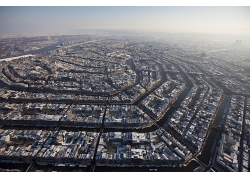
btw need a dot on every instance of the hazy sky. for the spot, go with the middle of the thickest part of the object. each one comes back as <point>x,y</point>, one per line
<point>176,19</point>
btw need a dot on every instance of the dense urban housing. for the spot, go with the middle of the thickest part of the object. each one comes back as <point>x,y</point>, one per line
<point>97,102</point>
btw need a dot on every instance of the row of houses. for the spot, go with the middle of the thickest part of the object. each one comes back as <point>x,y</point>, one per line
<point>47,147</point>
<point>229,152</point>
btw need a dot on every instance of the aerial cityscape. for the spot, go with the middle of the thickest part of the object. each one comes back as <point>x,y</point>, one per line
<point>123,100</point>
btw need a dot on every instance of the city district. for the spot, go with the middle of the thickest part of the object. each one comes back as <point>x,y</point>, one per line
<point>123,103</point>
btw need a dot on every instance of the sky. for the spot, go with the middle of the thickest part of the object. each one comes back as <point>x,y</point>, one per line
<point>169,19</point>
